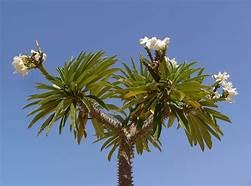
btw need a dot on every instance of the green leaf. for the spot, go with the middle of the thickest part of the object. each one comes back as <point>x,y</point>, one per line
<point>170,120</point>
<point>82,120</point>
<point>134,93</point>
<point>189,137</point>
<point>99,101</point>
<point>155,143</point>
<point>182,120</point>
<point>195,124</point>
<point>139,146</point>
<point>31,104</point>
<point>218,115</point>
<point>45,124</point>
<point>46,106</point>
<point>108,142</point>
<point>112,151</point>
<point>158,131</point>
<point>57,111</point>
<point>115,108</point>
<point>157,120</point>
<point>40,115</point>
<point>99,129</point>
<point>63,120</point>
<point>206,136</point>
<point>145,145</point>
<point>86,104</point>
<point>73,116</point>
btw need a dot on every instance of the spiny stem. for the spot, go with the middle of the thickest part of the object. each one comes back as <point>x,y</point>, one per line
<point>106,120</point>
<point>125,156</point>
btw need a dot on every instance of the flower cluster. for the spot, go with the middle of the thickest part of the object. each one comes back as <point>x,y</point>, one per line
<point>221,77</point>
<point>160,47</point>
<point>19,63</point>
<point>154,43</point>
<point>23,63</point>
<point>228,90</point>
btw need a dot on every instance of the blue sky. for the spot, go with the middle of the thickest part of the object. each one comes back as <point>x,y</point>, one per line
<point>215,33</point>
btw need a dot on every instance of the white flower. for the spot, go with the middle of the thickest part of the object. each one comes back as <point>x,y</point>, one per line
<point>231,93</point>
<point>33,51</point>
<point>172,61</point>
<point>154,43</point>
<point>151,42</point>
<point>221,77</point>
<point>144,40</point>
<point>37,55</point>
<point>227,85</point>
<point>44,56</point>
<point>18,63</point>
<point>161,44</point>
<point>217,95</point>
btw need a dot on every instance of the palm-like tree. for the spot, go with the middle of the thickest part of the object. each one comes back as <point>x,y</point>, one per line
<point>158,94</point>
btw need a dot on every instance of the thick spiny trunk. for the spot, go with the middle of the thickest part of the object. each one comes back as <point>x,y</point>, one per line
<point>125,156</point>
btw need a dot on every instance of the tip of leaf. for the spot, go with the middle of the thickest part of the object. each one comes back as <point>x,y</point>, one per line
<point>38,134</point>
<point>29,126</point>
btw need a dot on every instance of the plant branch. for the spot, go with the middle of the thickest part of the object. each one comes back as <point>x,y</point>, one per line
<point>146,129</point>
<point>107,121</point>
<point>149,54</point>
<point>152,71</point>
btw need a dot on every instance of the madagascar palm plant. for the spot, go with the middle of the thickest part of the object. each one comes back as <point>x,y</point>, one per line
<point>159,94</point>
